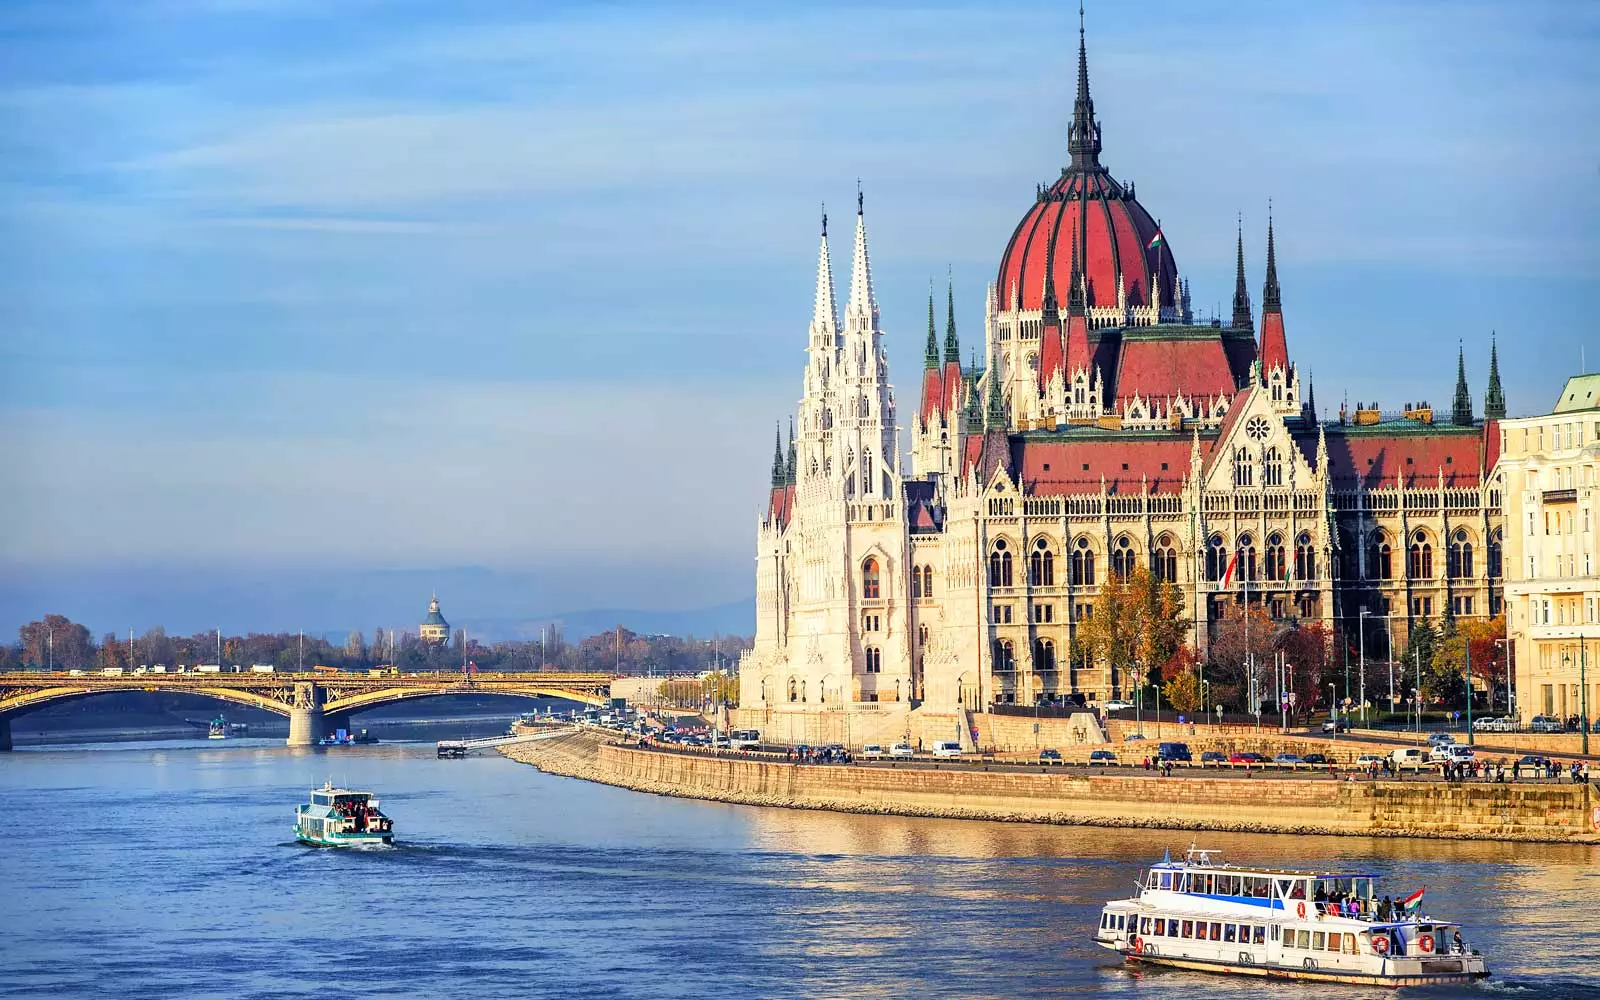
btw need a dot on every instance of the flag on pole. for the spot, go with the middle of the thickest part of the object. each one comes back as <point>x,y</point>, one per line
<point>1155,240</point>
<point>1233,564</point>
<point>1413,902</point>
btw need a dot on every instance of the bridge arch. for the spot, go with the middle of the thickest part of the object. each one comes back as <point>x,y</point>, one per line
<point>27,701</point>
<point>372,699</point>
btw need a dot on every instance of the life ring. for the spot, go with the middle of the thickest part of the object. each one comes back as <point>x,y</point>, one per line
<point>1425,943</point>
<point>1300,910</point>
<point>1595,818</point>
<point>1380,945</point>
<point>1138,944</point>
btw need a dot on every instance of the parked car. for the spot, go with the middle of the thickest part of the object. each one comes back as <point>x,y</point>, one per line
<point>1049,756</point>
<point>1485,724</point>
<point>1132,736</point>
<point>1545,724</point>
<point>1288,758</point>
<point>1336,726</point>
<point>1102,757</point>
<point>947,748</point>
<point>1369,759</point>
<point>902,750</point>
<point>1435,739</point>
<point>1409,757</point>
<point>872,751</point>
<point>1246,758</point>
<point>1319,759</point>
<point>1117,705</point>
<point>1460,754</point>
<point>1174,752</point>
<point>1441,752</point>
<point>1213,757</point>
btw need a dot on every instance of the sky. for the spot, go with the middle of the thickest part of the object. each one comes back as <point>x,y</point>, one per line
<point>504,299</point>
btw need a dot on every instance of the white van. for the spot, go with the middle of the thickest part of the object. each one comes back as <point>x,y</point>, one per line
<point>947,748</point>
<point>1409,757</point>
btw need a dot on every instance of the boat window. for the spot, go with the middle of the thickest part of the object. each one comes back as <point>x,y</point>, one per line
<point>1334,942</point>
<point>1263,887</point>
<point>1188,928</point>
<point>1283,888</point>
<point>1144,925</point>
<point>1316,941</point>
<point>1216,931</point>
<point>1297,890</point>
<point>1364,888</point>
<point>1288,938</point>
<point>1119,922</point>
<point>1258,935</point>
<point>1304,940</point>
<point>1230,932</point>
<point>1161,926</point>
<point>1172,927</point>
<point>1349,944</point>
<point>1166,880</point>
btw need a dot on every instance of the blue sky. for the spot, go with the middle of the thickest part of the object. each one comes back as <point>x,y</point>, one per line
<point>373,287</point>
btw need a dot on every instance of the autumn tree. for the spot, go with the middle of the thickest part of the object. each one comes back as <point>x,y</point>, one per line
<point>1137,624</point>
<point>1477,637</point>
<point>57,640</point>
<point>1183,691</point>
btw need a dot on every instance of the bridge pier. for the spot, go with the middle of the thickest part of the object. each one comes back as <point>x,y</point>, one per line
<point>5,732</point>
<point>306,720</point>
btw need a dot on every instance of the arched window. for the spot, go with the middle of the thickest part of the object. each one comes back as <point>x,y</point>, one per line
<point>1122,559</point>
<point>869,579</point>
<point>1460,556</point>
<point>1244,468</point>
<point>927,581</point>
<point>1276,564</point>
<point>1247,558</point>
<point>1042,565</point>
<point>1216,559</point>
<point>1005,656</point>
<point>763,690</point>
<point>922,635</point>
<point>1082,564</point>
<point>866,470</point>
<point>1272,468</point>
<point>1044,654</point>
<point>1164,562</point>
<point>1305,558</point>
<point>1000,565</point>
<point>1494,554</point>
<point>1380,565</point>
<point>794,691</point>
<point>850,485</point>
<point>874,660</point>
<point>1419,558</point>
<point>916,583</point>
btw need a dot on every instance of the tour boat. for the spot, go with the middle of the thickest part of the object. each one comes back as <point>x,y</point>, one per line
<point>1203,915</point>
<point>340,817</point>
<point>218,730</point>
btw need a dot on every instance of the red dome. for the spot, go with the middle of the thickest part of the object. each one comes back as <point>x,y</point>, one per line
<point>1113,231</point>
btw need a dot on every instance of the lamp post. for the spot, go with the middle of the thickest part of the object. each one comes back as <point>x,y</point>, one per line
<point>1361,626</point>
<point>1468,647</point>
<point>1583,692</point>
<point>1505,654</point>
<point>50,642</point>
<point>1333,706</point>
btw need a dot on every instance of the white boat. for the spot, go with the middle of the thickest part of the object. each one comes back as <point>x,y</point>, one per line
<point>1203,915</point>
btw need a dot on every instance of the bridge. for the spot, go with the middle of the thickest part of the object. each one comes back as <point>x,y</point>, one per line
<point>315,703</point>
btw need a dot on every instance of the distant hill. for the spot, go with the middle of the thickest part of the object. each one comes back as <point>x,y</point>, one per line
<point>736,618</point>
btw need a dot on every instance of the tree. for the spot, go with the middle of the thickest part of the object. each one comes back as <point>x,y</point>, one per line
<point>1307,647</point>
<point>1478,636</point>
<point>355,648</point>
<point>57,640</point>
<point>1137,624</point>
<point>112,654</point>
<point>1183,691</point>
<point>1241,653</point>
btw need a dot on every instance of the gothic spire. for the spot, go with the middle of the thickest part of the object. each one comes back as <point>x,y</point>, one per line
<point>1075,303</point>
<point>861,314</point>
<point>1494,401</point>
<point>952,348</point>
<point>1083,135</point>
<point>791,474</point>
<point>1311,398</point>
<point>1051,315</point>
<point>1241,295</point>
<point>1271,297</point>
<point>931,360</point>
<point>779,473</point>
<point>1461,408</point>
<point>825,313</point>
<point>994,417</point>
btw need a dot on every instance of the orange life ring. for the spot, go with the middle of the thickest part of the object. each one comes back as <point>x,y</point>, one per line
<point>1138,944</point>
<point>1300,910</point>
<point>1425,943</point>
<point>1380,945</point>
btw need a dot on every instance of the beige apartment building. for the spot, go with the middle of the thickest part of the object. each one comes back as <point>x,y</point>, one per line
<point>1551,465</point>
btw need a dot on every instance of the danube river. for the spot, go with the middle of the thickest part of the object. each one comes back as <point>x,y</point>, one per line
<point>167,870</point>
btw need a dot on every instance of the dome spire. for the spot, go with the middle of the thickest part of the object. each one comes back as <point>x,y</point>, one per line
<point>1494,400</point>
<point>1083,135</point>
<point>1241,294</point>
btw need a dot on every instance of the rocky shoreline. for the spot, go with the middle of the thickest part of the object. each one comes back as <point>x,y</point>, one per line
<point>578,755</point>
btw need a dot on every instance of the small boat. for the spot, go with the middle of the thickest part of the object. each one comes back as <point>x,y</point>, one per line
<point>218,729</point>
<point>1203,915</point>
<point>345,738</point>
<point>342,817</point>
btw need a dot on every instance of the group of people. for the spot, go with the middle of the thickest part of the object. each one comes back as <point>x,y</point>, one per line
<point>818,755</point>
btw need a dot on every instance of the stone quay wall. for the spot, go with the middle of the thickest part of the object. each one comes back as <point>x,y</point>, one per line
<point>1523,812</point>
<point>892,722</point>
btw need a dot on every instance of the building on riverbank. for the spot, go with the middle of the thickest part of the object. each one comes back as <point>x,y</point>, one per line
<point>1108,427</point>
<point>1551,464</point>
<point>434,630</point>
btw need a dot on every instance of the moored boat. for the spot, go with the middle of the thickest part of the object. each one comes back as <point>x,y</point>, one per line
<point>1203,915</point>
<point>342,817</point>
<point>218,729</point>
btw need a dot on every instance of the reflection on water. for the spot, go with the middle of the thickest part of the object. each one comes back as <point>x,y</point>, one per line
<point>168,869</point>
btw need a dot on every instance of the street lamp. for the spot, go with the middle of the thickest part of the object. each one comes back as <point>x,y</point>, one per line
<point>1361,626</point>
<point>1333,706</point>
<point>1505,654</point>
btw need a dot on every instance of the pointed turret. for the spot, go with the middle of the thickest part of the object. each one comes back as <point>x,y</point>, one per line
<point>1274,346</point>
<point>931,356</point>
<point>933,393</point>
<point>861,314</point>
<point>1077,338</point>
<point>1461,408</point>
<point>1083,135</point>
<point>792,471</point>
<point>780,472</point>
<point>1241,295</point>
<point>994,415</point>
<point>1311,399</point>
<point>1051,349</point>
<point>825,313</point>
<point>1494,400</point>
<point>952,349</point>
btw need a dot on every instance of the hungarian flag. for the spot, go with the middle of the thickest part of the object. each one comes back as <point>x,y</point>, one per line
<point>1414,901</point>
<point>1233,564</point>
<point>1155,240</point>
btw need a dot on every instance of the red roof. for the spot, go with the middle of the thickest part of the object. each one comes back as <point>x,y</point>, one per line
<point>1274,347</point>
<point>1164,368</point>
<point>1050,467</point>
<point>1405,455</point>
<point>1114,232</point>
<point>780,505</point>
<point>1052,356</point>
<point>932,396</point>
<point>952,386</point>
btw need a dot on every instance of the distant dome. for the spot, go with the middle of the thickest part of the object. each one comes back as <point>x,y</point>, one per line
<point>434,628</point>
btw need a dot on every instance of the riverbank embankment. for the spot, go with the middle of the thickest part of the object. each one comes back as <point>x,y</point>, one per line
<point>1304,805</point>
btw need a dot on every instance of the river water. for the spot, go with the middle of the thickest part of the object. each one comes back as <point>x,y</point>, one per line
<point>168,870</point>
